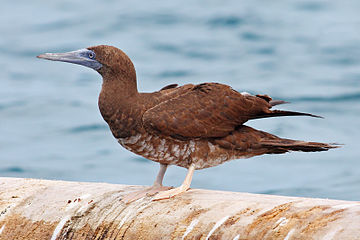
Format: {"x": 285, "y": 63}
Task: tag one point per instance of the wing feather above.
{"x": 206, "y": 110}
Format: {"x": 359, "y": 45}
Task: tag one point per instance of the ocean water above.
{"x": 304, "y": 52}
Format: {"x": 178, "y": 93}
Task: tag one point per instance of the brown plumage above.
{"x": 192, "y": 126}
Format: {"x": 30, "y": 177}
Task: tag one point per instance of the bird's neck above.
{"x": 117, "y": 104}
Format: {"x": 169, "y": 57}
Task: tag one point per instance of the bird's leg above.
{"x": 184, "y": 186}
{"x": 160, "y": 176}
{"x": 149, "y": 191}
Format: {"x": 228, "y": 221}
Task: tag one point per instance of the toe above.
{"x": 168, "y": 194}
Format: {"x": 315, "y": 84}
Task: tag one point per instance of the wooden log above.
{"x": 43, "y": 209}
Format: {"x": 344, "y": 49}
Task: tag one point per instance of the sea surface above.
{"x": 304, "y": 52}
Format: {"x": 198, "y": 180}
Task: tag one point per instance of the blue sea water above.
{"x": 304, "y": 52}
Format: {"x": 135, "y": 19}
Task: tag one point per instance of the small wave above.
{"x": 166, "y": 48}
{"x": 141, "y": 160}
{"x": 12, "y": 104}
{"x": 345, "y": 61}
{"x": 311, "y": 6}
{"x": 200, "y": 55}
{"x": 265, "y": 51}
{"x": 165, "y": 19}
{"x": 291, "y": 192}
{"x": 251, "y": 36}
{"x": 55, "y": 25}
{"x": 87, "y": 128}
{"x": 338, "y": 98}
{"x": 18, "y": 52}
{"x": 226, "y": 21}
{"x": 174, "y": 74}
{"x": 13, "y": 169}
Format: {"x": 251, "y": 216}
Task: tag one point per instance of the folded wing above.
{"x": 206, "y": 110}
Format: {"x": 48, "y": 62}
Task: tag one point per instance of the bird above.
{"x": 194, "y": 126}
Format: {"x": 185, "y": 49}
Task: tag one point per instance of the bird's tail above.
{"x": 282, "y": 145}
{"x": 281, "y": 113}
{"x": 278, "y": 113}
{"x": 251, "y": 142}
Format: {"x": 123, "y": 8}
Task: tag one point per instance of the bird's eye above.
{"x": 91, "y": 55}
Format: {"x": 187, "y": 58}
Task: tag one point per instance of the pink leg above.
{"x": 149, "y": 191}
{"x": 184, "y": 186}
{"x": 160, "y": 176}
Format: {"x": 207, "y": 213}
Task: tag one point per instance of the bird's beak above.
{"x": 84, "y": 57}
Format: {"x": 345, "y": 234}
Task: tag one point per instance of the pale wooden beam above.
{"x": 43, "y": 209}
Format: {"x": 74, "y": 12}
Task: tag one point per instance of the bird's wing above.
{"x": 205, "y": 110}
{"x": 170, "y": 86}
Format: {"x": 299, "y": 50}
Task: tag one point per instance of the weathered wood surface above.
{"x": 42, "y": 209}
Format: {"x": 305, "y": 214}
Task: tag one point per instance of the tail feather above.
{"x": 282, "y": 145}
{"x": 277, "y": 102}
{"x": 281, "y": 113}
{"x": 251, "y": 142}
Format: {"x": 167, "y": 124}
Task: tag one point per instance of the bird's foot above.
{"x": 149, "y": 191}
{"x": 170, "y": 193}
{"x": 176, "y": 191}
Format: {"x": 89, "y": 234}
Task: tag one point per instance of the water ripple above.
{"x": 13, "y": 169}
{"x": 226, "y": 21}
{"x": 12, "y": 104}
{"x": 251, "y": 36}
{"x": 174, "y": 74}
{"x": 265, "y": 51}
{"x": 56, "y": 25}
{"x": 338, "y": 98}
{"x": 311, "y": 6}
{"x": 200, "y": 55}
{"x": 88, "y": 128}
{"x": 166, "y": 48}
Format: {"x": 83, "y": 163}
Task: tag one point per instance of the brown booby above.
{"x": 191, "y": 126}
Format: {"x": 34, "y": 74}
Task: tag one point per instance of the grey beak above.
{"x": 84, "y": 57}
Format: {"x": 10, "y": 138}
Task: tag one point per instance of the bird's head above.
{"x": 109, "y": 61}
